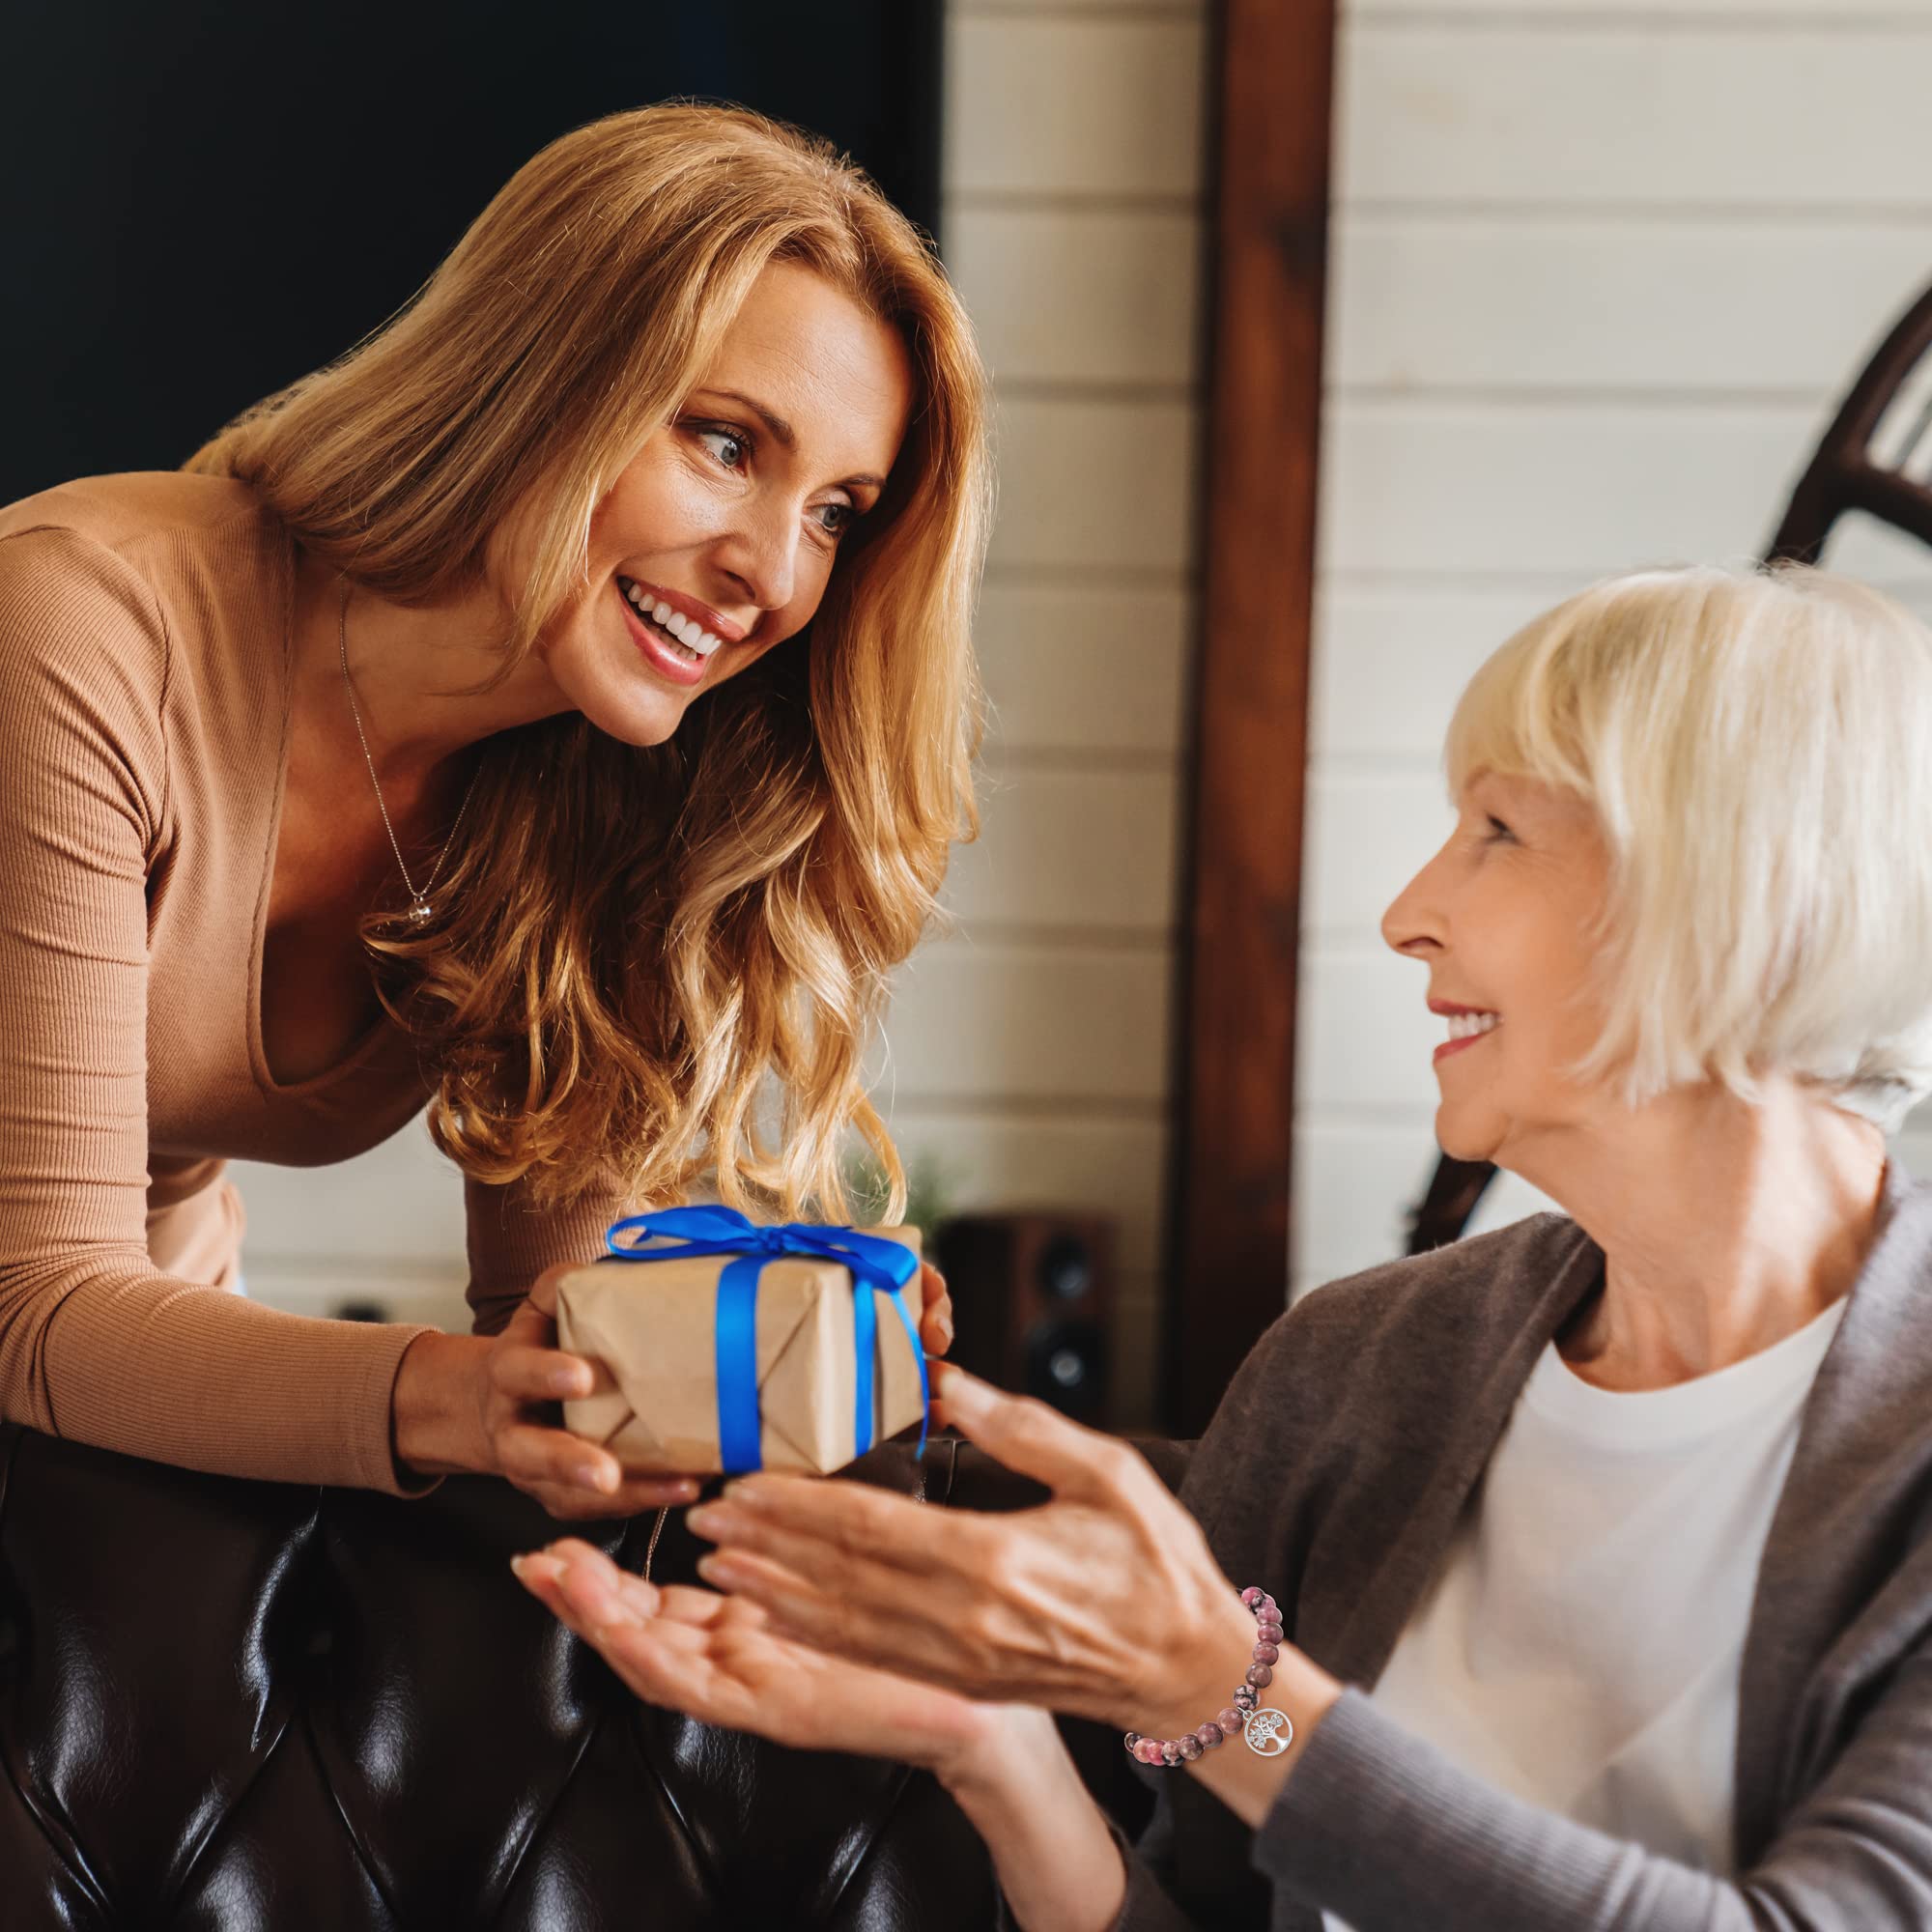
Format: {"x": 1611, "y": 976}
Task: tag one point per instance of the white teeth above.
{"x": 1465, "y": 1026}
{"x": 689, "y": 632}
{"x": 691, "y": 637}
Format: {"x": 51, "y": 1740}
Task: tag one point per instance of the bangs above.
{"x": 1519, "y": 716}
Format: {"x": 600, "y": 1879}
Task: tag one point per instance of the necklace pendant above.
{"x": 420, "y": 912}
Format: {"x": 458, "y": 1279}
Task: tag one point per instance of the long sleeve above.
{"x": 512, "y": 1241}
{"x": 97, "y": 1343}
{"x": 1386, "y": 1832}
{"x": 1335, "y": 1471}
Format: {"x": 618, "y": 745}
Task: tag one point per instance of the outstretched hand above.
{"x": 717, "y": 1658}
{"x": 1103, "y": 1602}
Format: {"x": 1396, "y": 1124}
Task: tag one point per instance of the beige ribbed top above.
{"x": 145, "y": 684}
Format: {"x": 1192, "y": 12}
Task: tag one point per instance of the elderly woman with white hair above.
{"x": 1589, "y": 1561}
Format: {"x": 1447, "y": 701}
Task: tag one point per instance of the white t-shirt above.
{"x": 1582, "y": 1645}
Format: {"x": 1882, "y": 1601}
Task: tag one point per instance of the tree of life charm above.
{"x": 1268, "y": 1733}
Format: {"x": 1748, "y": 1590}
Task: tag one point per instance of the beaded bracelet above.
{"x": 1268, "y": 1732}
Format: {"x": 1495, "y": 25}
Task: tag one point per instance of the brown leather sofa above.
{"x": 229, "y": 1705}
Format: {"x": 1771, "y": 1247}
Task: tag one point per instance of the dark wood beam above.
{"x": 1227, "y": 1272}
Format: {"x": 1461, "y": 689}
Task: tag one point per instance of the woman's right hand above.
{"x": 715, "y": 1657}
{"x": 527, "y": 1377}
{"x": 493, "y": 1404}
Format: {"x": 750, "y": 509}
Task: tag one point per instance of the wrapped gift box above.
{"x": 650, "y": 1328}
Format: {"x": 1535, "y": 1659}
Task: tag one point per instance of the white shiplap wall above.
{"x": 1029, "y": 1047}
{"x": 1026, "y": 1056}
{"x": 1600, "y": 272}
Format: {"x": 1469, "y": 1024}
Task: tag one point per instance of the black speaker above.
{"x": 1033, "y": 1304}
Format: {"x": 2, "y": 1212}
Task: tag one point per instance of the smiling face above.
{"x": 1503, "y": 915}
{"x": 716, "y": 541}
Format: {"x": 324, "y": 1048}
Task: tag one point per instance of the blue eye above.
{"x": 843, "y": 513}
{"x": 732, "y": 440}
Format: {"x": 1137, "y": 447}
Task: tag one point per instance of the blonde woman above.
{"x": 558, "y": 711}
{"x": 1599, "y": 1547}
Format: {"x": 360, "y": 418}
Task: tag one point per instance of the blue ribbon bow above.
{"x": 878, "y": 1267}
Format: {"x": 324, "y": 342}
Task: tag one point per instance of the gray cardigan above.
{"x": 1333, "y": 1473}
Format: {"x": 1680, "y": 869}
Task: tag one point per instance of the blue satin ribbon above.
{"x": 878, "y": 1267}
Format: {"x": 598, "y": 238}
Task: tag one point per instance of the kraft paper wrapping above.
{"x": 648, "y": 1329}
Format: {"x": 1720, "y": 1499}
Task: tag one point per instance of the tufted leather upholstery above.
{"x": 234, "y": 1705}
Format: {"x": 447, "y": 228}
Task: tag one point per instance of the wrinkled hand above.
{"x": 1099, "y": 1601}
{"x": 717, "y": 1658}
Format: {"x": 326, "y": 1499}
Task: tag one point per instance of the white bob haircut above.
{"x": 1756, "y": 746}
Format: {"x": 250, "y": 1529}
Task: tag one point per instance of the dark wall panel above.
{"x": 203, "y": 199}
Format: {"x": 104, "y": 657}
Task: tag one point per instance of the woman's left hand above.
{"x": 1105, "y": 1602}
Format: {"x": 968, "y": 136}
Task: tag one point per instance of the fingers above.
{"x": 603, "y": 1595}
{"x": 790, "y": 1603}
{"x": 542, "y": 1575}
{"x": 935, "y": 1330}
{"x": 598, "y": 1593}
{"x": 574, "y": 1504}
{"x": 588, "y": 1599}
{"x": 534, "y": 1318}
{"x": 705, "y": 1609}
{"x": 531, "y": 1327}
{"x": 719, "y": 1676}
{"x": 822, "y": 1525}
{"x": 846, "y": 1625}
{"x": 861, "y": 1614}
{"x": 848, "y": 1542}
{"x": 530, "y": 1454}
{"x": 651, "y": 1670}
{"x": 571, "y": 1477}
{"x": 634, "y": 1496}
{"x": 716, "y": 1658}
{"x": 525, "y": 1374}
{"x": 794, "y": 1696}
{"x": 795, "y": 1562}
{"x": 603, "y": 1592}
{"x": 542, "y": 1297}
{"x": 1036, "y": 1441}
{"x": 665, "y": 1657}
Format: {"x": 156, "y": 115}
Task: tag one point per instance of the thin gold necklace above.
{"x": 420, "y": 911}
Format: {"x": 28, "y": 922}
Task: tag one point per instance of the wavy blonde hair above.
{"x": 658, "y": 966}
{"x": 1756, "y": 747}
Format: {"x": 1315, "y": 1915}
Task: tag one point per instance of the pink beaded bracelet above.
{"x": 1268, "y": 1732}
